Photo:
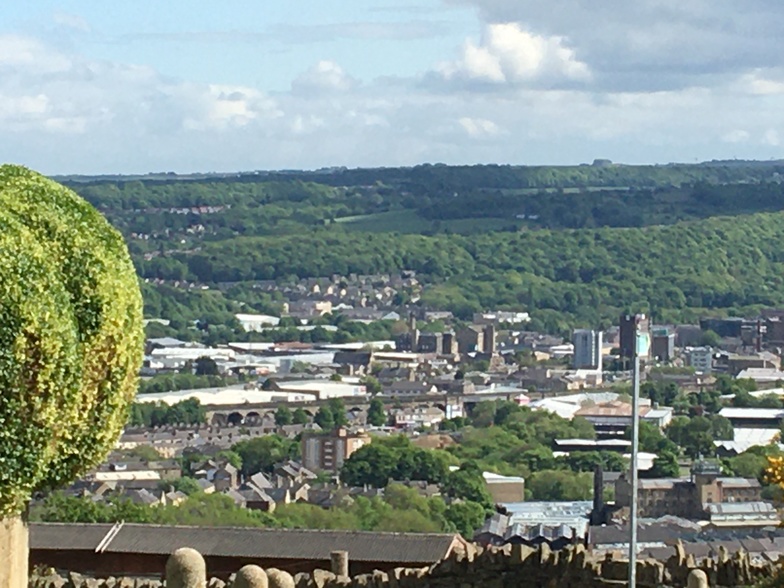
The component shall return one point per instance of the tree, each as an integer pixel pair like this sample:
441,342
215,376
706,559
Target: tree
186,485
372,385
300,417
560,485
231,457
721,428
377,415
262,453
467,483
70,339
206,366
466,517
652,440
370,464
665,465
338,410
710,339
283,416
324,418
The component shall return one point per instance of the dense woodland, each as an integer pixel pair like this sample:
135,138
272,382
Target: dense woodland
572,245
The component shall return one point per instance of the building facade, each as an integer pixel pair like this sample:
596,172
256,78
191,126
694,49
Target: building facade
328,453
587,349
701,359
631,325
687,497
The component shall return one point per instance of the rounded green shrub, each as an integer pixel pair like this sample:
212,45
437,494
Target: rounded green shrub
71,336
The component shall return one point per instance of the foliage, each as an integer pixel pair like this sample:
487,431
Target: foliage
665,465
401,509
332,415
377,414
283,416
372,385
172,382
260,454
696,435
467,483
394,458
157,414
71,336
300,417
559,485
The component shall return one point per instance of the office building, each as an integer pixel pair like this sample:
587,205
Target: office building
587,349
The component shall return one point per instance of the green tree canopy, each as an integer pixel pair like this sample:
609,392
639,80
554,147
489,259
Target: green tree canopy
70,338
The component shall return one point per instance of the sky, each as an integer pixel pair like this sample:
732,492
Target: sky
149,86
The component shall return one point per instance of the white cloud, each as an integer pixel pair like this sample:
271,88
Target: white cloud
653,44
324,76
18,51
736,136
509,54
93,116
73,22
479,127
771,137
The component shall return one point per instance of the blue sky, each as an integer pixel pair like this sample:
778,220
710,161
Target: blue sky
89,87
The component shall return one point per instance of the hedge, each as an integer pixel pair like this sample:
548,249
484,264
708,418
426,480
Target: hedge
71,336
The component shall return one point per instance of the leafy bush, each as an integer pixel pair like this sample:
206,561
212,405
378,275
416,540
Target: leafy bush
70,335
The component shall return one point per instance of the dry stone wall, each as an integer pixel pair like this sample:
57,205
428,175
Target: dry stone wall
513,566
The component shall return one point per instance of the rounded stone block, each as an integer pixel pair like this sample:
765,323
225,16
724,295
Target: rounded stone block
251,576
186,569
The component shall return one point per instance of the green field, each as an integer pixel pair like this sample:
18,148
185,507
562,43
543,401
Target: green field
408,221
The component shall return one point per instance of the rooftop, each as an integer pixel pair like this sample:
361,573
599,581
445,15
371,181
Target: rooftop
280,544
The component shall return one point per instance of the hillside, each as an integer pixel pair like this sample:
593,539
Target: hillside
673,240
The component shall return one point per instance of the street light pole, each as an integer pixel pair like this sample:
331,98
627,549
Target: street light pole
633,465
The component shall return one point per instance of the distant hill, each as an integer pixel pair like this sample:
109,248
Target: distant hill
571,244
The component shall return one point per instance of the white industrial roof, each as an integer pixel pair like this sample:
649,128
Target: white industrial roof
491,478
564,410
232,395
746,438
752,413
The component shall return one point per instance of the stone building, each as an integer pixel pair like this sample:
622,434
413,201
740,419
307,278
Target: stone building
687,497
327,453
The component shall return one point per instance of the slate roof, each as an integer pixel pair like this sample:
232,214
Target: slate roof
294,544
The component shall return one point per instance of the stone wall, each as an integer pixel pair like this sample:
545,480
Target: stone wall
13,552
513,566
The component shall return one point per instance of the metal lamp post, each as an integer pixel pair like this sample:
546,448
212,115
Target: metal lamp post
642,344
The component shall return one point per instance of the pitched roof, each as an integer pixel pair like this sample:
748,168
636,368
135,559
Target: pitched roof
294,544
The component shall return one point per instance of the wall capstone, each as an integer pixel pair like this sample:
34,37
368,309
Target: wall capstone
186,569
279,579
251,576
697,579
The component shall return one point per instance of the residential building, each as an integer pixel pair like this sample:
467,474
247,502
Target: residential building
327,453
688,497
632,325
612,419
471,339
736,363
662,344
587,349
406,388
505,489
417,417
700,358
